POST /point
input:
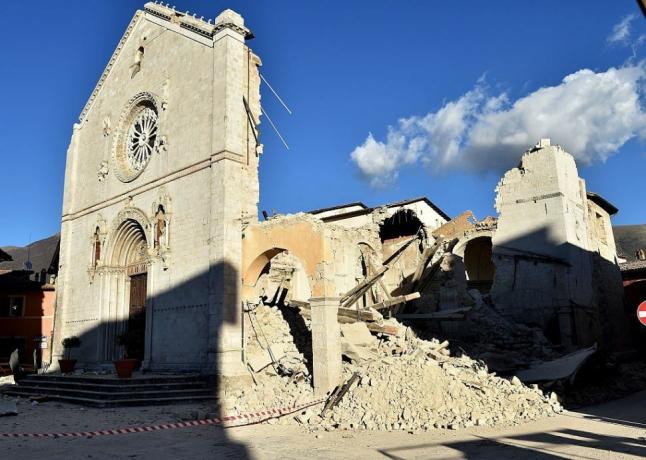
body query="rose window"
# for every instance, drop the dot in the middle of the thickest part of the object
(137, 137)
(141, 139)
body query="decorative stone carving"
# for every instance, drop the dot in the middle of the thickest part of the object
(103, 171)
(97, 240)
(161, 211)
(165, 94)
(161, 145)
(107, 126)
(137, 137)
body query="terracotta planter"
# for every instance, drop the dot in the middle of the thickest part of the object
(124, 367)
(66, 365)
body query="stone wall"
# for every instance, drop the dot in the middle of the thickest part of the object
(202, 82)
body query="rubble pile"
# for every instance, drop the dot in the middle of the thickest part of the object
(406, 383)
(504, 345)
(416, 384)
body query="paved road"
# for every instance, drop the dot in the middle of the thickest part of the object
(614, 430)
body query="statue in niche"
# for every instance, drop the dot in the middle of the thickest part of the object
(160, 227)
(97, 247)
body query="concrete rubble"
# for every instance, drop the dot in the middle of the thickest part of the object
(406, 383)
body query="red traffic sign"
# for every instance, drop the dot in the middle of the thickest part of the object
(641, 313)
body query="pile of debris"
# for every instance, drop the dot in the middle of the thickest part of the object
(486, 335)
(416, 384)
(405, 383)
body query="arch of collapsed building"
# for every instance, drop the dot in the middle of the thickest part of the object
(461, 245)
(402, 223)
(476, 251)
(300, 239)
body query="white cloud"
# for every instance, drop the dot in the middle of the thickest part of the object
(621, 30)
(590, 114)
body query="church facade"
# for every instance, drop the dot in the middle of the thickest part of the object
(161, 178)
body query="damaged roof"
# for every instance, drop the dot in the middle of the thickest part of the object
(603, 203)
(340, 206)
(366, 210)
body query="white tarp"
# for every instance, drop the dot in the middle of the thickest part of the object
(560, 368)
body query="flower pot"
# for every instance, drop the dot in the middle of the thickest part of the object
(66, 365)
(124, 367)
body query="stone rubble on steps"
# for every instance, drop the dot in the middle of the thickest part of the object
(410, 384)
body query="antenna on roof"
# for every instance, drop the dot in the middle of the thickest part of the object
(28, 264)
(275, 94)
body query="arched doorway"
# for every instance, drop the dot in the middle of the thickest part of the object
(479, 264)
(128, 285)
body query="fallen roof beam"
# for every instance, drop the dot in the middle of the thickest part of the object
(396, 300)
(456, 313)
(427, 255)
(364, 285)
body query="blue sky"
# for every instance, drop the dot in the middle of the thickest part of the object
(458, 73)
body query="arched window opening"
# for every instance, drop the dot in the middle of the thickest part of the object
(403, 224)
(479, 264)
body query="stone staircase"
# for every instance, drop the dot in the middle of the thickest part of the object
(110, 391)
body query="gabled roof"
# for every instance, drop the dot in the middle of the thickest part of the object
(340, 206)
(4, 257)
(42, 254)
(367, 210)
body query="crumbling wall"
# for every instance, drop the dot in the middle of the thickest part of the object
(328, 256)
(545, 265)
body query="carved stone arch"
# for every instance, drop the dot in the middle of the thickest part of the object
(130, 225)
(163, 199)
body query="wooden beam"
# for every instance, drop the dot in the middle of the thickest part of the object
(427, 255)
(380, 281)
(395, 255)
(372, 325)
(360, 288)
(396, 300)
(351, 313)
(456, 313)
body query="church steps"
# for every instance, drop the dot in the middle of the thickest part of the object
(110, 392)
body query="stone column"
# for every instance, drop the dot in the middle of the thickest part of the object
(326, 344)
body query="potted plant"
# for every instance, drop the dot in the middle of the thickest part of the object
(67, 364)
(131, 342)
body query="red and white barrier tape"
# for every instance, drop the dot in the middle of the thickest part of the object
(270, 413)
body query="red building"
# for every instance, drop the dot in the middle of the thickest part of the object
(27, 300)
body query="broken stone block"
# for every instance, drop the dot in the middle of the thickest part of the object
(262, 358)
(358, 334)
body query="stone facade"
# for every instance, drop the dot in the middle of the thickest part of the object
(554, 252)
(161, 178)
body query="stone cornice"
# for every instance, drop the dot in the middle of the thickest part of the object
(186, 171)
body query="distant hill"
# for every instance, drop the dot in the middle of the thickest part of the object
(42, 254)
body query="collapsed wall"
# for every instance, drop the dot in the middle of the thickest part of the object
(405, 383)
